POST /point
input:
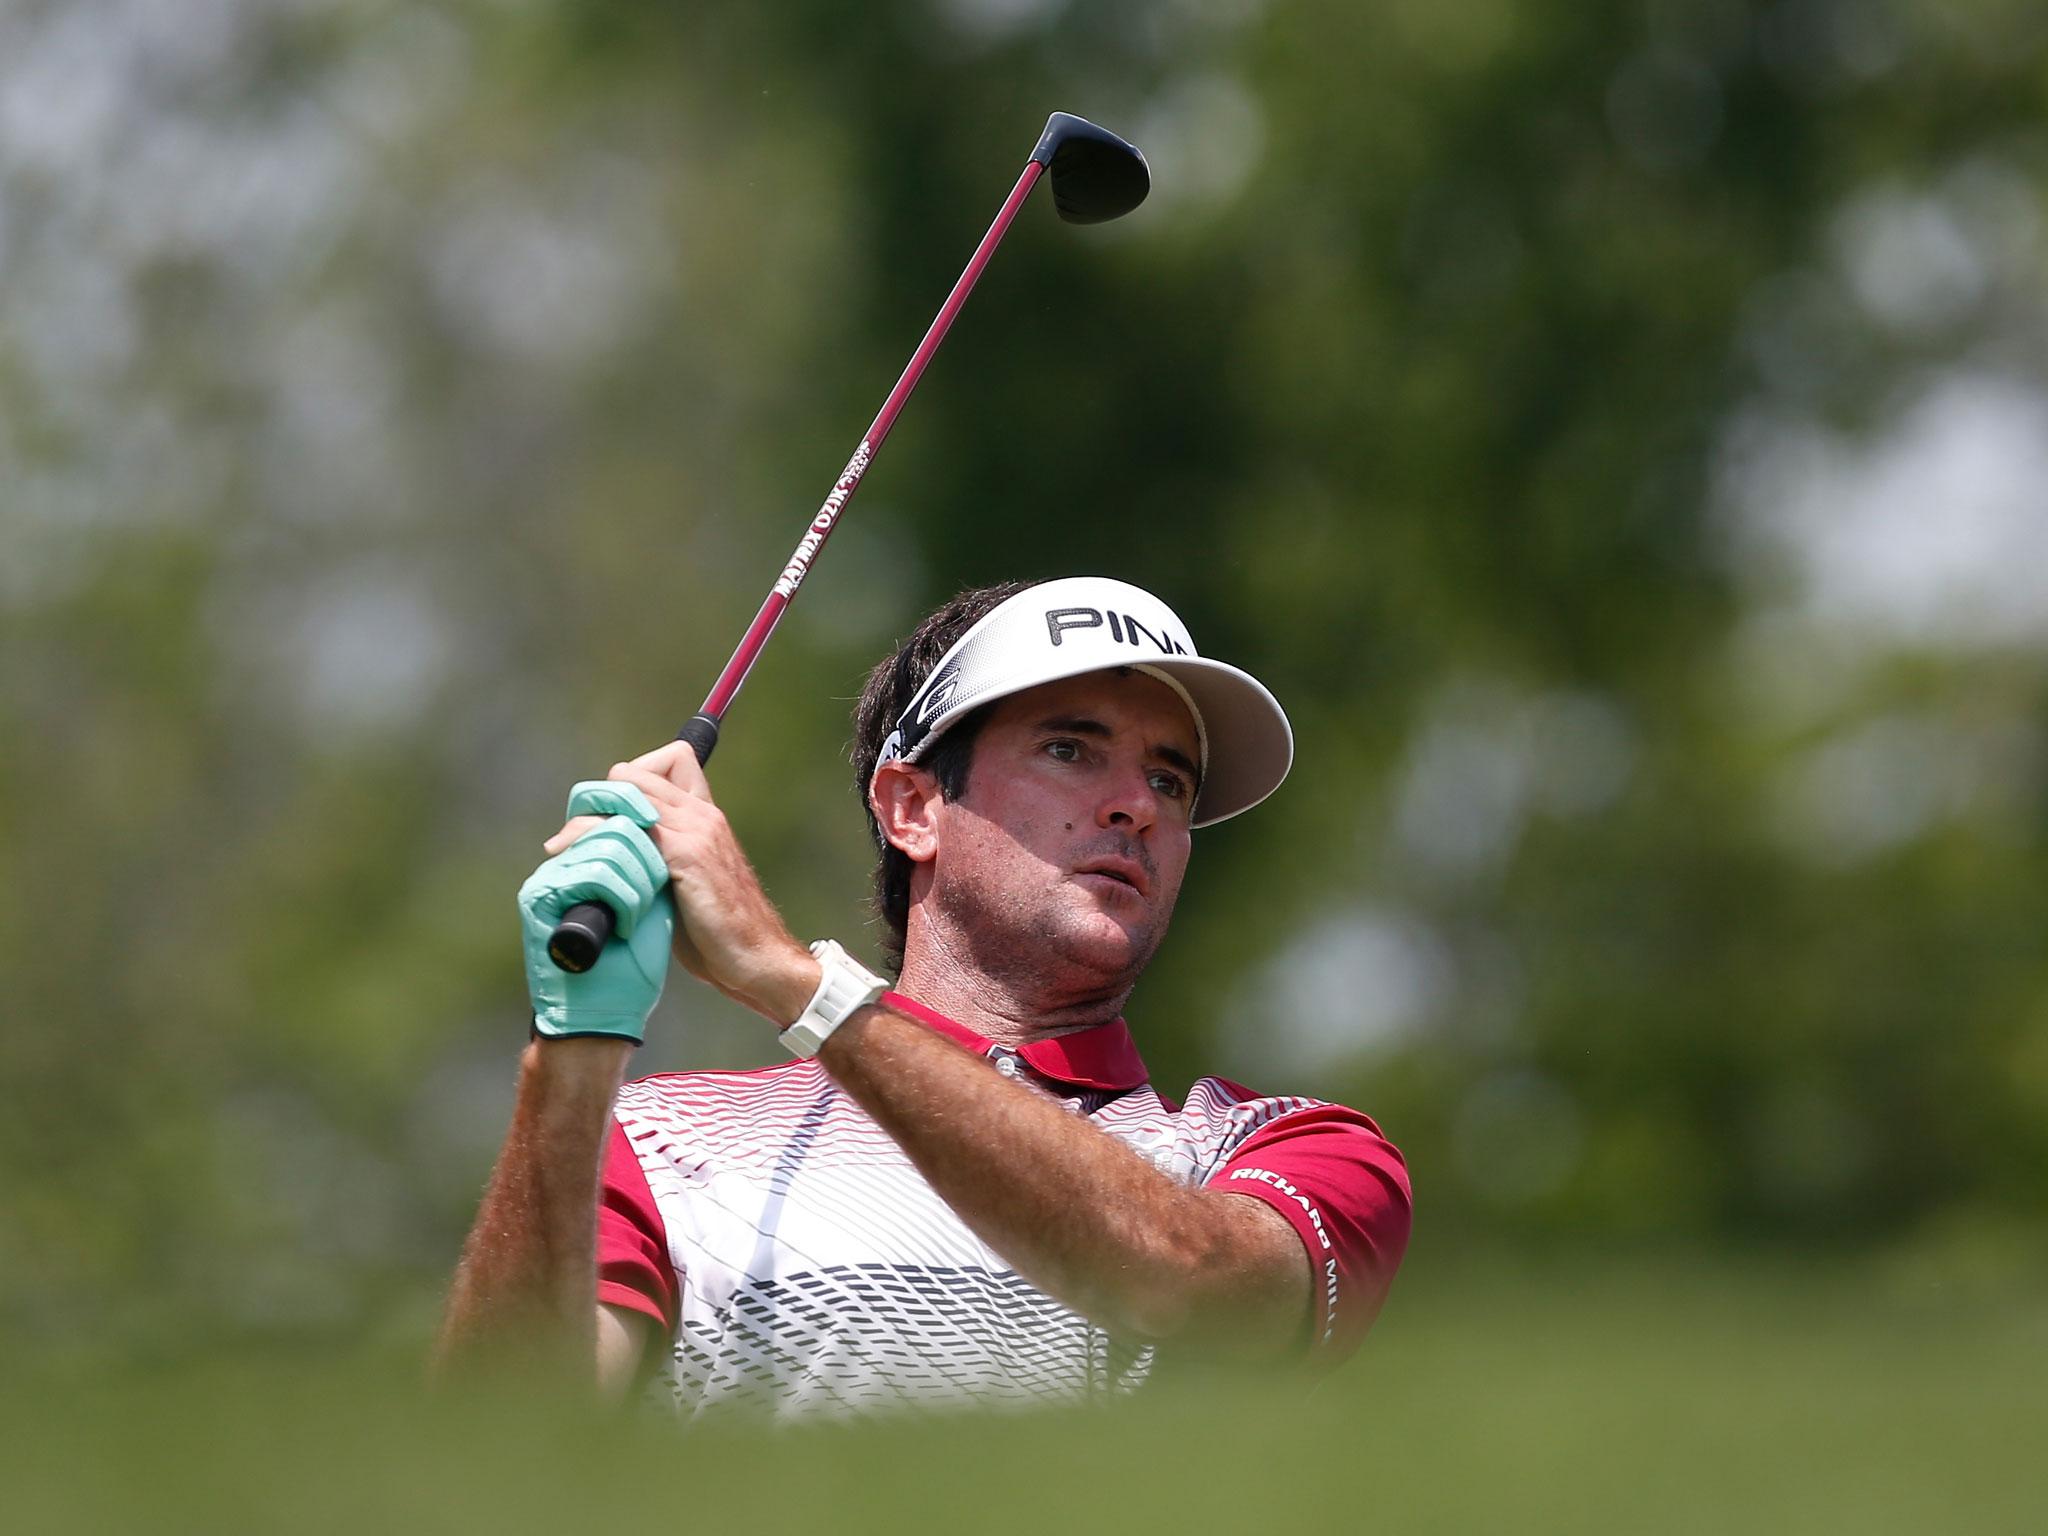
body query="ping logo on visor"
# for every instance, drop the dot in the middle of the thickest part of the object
(1060, 620)
(1078, 624)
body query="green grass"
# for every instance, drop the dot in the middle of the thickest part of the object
(1630, 1396)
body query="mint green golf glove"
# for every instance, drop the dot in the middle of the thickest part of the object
(615, 863)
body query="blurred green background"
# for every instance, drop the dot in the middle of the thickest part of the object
(1618, 433)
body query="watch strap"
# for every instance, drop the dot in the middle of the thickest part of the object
(845, 987)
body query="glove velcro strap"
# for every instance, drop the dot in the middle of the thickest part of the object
(629, 1028)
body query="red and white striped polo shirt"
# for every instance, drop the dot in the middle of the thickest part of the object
(801, 1264)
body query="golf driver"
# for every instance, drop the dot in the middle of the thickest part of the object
(1096, 177)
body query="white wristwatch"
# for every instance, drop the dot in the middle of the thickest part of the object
(846, 987)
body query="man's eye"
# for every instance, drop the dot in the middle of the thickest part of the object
(1171, 785)
(1064, 750)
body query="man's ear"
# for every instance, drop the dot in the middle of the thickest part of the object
(906, 801)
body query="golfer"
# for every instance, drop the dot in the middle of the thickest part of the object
(964, 1188)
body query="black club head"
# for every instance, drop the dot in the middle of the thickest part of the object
(1096, 176)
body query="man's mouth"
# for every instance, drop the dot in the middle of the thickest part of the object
(1127, 872)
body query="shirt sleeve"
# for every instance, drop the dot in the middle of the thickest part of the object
(1344, 1189)
(633, 1269)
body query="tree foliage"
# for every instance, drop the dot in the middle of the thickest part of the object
(405, 406)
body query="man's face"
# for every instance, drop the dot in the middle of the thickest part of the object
(1073, 829)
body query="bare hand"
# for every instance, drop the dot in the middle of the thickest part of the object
(729, 933)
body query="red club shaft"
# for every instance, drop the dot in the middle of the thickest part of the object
(1103, 178)
(728, 685)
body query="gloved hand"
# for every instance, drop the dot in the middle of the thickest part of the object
(614, 862)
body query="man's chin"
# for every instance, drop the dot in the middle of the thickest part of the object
(1103, 942)
(1064, 939)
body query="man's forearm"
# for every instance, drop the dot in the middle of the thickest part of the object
(525, 1291)
(1078, 1213)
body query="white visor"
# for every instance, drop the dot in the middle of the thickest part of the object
(1088, 624)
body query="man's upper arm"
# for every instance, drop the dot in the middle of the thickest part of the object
(624, 1338)
(1265, 1300)
(1342, 1191)
(638, 1298)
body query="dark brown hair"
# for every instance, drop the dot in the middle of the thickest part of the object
(887, 692)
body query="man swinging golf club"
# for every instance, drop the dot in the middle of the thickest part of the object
(964, 1188)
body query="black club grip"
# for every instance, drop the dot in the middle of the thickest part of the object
(580, 937)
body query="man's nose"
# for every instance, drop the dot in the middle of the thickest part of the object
(1131, 803)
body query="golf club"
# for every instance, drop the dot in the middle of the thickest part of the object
(1096, 177)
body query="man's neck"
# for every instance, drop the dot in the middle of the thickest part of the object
(999, 1007)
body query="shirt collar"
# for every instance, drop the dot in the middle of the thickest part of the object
(1103, 1056)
